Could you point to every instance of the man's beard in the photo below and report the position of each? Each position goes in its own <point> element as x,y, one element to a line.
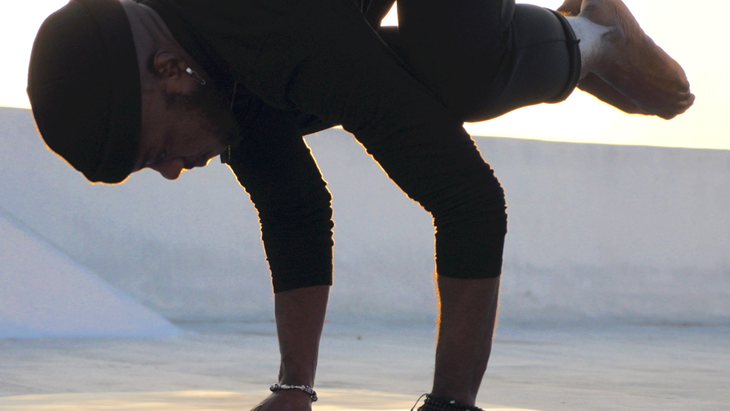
<point>214,109</point>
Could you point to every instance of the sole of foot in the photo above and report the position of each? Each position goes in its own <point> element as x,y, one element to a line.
<point>596,86</point>
<point>633,65</point>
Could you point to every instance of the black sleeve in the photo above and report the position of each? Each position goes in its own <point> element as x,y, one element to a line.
<point>275,166</point>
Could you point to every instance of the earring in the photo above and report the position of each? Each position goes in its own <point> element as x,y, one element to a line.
<point>195,76</point>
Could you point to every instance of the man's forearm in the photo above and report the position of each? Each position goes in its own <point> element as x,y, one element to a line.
<point>300,317</point>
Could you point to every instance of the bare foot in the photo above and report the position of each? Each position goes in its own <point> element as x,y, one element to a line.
<point>633,66</point>
<point>592,84</point>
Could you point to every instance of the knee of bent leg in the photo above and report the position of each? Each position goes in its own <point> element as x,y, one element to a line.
<point>470,239</point>
<point>481,203</point>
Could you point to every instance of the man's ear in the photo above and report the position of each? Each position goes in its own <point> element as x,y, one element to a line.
<point>169,69</point>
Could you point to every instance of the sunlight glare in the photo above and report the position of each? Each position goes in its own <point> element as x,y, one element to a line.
<point>207,400</point>
<point>19,23</point>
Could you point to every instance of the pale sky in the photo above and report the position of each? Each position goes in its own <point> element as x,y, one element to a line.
<point>695,36</point>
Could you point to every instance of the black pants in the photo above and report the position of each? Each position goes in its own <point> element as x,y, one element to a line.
<point>486,58</point>
<point>407,115</point>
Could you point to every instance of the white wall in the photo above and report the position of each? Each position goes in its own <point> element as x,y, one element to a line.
<point>596,231</point>
<point>614,231</point>
<point>43,293</point>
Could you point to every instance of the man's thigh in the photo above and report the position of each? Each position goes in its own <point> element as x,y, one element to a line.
<point>329,62</point>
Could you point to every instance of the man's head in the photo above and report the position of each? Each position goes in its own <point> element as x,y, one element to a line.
<point>90,121</point>
<point>111,95</point>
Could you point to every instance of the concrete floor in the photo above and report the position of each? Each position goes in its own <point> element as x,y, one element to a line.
<point>371,366</point>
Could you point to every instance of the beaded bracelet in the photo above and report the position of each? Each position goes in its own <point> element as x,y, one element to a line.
<point>305,388</point>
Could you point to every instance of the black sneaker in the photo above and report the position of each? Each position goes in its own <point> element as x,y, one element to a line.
<point>438,404</point>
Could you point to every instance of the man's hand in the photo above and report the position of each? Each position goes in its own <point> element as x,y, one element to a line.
<point>299,321</point>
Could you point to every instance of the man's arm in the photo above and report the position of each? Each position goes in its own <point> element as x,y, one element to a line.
<point>300,317</point>
<point>275,166</point>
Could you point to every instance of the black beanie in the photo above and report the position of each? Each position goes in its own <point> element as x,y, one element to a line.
<point>84,88</point>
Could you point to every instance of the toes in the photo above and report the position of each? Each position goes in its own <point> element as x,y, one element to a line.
<point>570,7</point>
<point>688,102</point>
<point>680,107</point>
<point>668,116</point>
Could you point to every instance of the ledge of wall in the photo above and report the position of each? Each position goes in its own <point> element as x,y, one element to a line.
<point>597,232</point>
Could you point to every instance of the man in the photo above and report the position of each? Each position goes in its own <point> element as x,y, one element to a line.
<point>169,84</point>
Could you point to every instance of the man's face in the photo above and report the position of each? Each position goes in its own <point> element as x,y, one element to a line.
<point>182,131</point>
